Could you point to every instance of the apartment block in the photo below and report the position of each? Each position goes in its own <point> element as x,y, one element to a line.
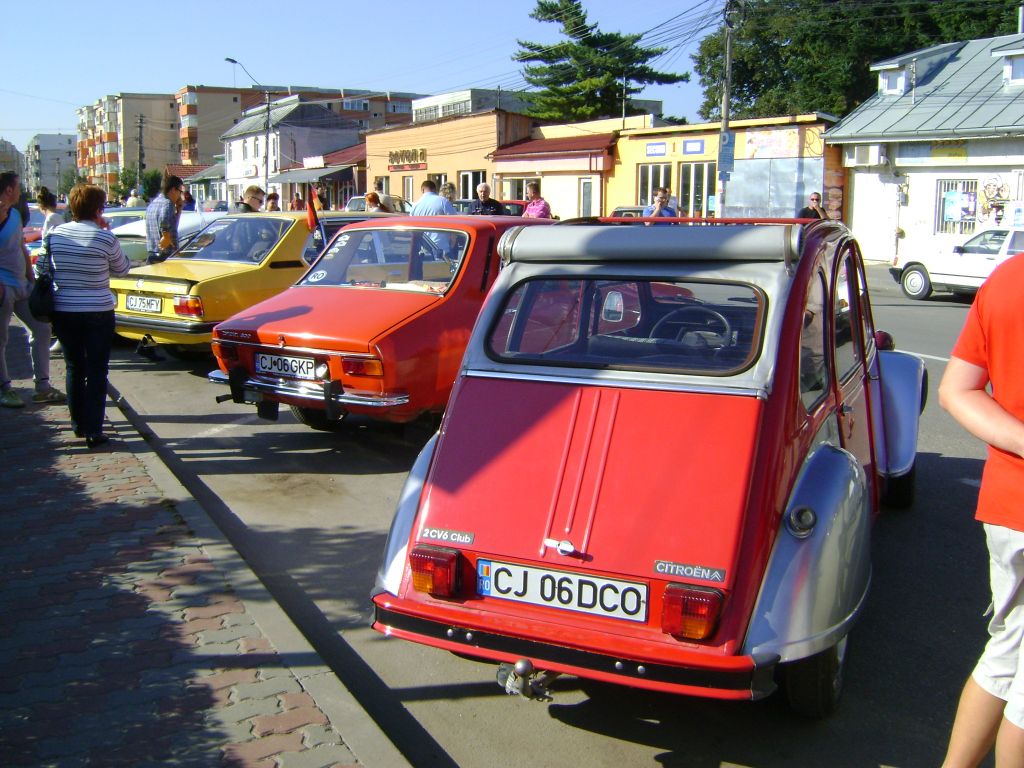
<point>11,159</point>
<point>109,131</point>
<point>47,157</point>
<point>207,112</point>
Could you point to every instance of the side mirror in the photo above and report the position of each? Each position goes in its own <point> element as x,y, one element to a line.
<point>958,249</point>
<point>884,341</point>
<point>612,311</point>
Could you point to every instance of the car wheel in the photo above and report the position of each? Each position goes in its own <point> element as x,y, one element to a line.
<point>915,283</point>
<point>813,685</point>
<point>899,491</point>
<point>316,418</point>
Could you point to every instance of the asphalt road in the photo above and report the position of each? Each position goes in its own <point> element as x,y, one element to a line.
<point>310,512</point>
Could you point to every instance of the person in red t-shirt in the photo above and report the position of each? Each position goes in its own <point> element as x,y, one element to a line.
<point>991,350</point>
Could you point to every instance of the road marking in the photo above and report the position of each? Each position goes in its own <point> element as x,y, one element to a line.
<point>927,357</point>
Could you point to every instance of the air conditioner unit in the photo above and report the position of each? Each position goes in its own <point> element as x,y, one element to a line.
<point>864,155</point>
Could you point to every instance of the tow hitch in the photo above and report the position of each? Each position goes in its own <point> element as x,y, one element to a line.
<point>521,678</point>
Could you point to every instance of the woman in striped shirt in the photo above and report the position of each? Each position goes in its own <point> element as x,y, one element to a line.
<point>84,256</point>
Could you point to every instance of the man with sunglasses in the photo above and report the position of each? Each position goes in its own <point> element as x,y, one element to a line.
<point>813,209</point>
<point>162,220</point>
<point>252,200</point>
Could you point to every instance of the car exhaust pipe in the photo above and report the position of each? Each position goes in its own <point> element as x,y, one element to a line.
<point>521,678</point>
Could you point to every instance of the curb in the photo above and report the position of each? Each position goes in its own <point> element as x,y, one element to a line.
<point>361,733</point>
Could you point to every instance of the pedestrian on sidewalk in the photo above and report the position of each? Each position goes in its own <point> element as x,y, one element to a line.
<point>84,254</point>
<point>991,709</point>
<point>16,278</point>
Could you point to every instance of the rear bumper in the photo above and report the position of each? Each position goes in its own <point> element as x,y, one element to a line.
<point>744,678</point>
<point>249,390</point>
<point>153,325</point>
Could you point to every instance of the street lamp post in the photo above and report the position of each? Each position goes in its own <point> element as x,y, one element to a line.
<point>266,136</point>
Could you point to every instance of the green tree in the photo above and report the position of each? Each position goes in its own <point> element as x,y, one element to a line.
<point>127,180</point>
<point>151,182</point>
<point>797,56</point>
<point>68,178</point>
<point>581,77</point>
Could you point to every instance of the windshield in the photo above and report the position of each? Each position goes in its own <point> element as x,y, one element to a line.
<point>245,239</point>
<point>694,327</point>
<point>400,259</point>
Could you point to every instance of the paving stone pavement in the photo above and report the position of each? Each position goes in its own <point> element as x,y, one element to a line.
<point>121,640</point>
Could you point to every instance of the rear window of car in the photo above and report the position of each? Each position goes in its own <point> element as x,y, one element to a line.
<point>692,327</point>
<point>424,260</point>
<point>244,239</point>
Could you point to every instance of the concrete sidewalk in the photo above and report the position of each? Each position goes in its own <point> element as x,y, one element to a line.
<point>132,633</point>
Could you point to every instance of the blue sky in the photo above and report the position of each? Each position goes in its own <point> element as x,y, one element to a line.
<point>62,56</point>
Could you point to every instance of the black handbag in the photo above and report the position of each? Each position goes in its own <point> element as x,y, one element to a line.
<point>41,299</point>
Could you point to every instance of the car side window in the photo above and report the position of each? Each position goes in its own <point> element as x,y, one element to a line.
<point>1017,242</point>
<point>848,351</point>
<point>813,365</point>
<point>987,242</point>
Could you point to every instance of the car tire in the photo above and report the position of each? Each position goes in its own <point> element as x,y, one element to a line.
<point>899,491</point>
<point>814,685</point>
<point>316,418</point>
<point>915,283</point>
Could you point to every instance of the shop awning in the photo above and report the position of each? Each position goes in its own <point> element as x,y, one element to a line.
<point>304,175</point>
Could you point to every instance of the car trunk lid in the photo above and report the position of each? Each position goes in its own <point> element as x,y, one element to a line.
<point>634,482</point>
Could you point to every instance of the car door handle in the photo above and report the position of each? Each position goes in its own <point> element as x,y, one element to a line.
<point>845,409</point>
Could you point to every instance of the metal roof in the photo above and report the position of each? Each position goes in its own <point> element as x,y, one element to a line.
<point>959,96</point>
<point>292,113</point>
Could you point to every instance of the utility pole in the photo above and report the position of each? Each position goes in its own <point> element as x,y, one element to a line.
<point>725,139</point>
<point>142,157</point>
<point>623,101</point>
<point>266,148</point>
<point>57,186</point>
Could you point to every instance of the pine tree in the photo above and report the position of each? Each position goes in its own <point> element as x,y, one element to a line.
<point>581,77</point>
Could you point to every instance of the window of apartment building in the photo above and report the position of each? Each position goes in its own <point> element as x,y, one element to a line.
<point>956,206</point>
<point>399,106</point>
<point>359,105</point>
<point>245,149</point>
<point>255,146</point>
<point>407,188</point>
<point>696,193</point>
<point>458,108</point>
<point>427,113</point>
<point>652,175</point>
<point>468,181</point>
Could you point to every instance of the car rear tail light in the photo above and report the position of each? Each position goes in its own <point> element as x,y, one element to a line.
<point>362,366</point>
<point>189,306</point>
<point>227,351</point>
<point>435,570</point>
<point>690,612</point>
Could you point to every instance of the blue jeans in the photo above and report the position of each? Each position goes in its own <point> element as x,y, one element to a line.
<point>86,338</point>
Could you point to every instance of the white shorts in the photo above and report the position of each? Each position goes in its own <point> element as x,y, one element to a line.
<point>1000,671</point>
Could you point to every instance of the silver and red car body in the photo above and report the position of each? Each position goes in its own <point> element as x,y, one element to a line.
<point>671,483</point>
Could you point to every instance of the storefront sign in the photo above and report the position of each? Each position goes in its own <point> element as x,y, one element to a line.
<point>317,161</point>
<point>693,147</point>
<point>657,149</point>
<point>407,160</point>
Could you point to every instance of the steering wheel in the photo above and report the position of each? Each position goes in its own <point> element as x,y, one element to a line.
<point>709,321</point>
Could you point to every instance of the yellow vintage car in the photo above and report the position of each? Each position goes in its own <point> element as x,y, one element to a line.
<point>235,262</point>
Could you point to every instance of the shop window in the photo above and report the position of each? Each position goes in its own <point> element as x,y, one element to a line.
<point>652,175</point>
<point>515,189</point>
<point>956,206</point>
<point>697,189</point>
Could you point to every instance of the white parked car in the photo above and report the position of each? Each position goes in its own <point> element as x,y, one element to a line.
<point>133,235</point>
<point>961,269</point>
